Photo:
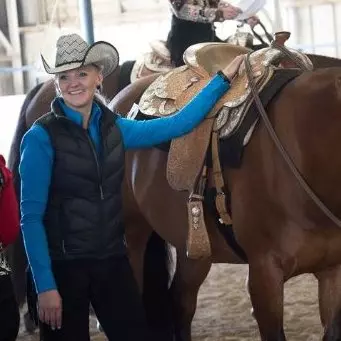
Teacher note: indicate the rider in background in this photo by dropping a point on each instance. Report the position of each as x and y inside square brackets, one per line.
[193, 22]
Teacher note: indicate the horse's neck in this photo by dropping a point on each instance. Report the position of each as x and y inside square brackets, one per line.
[111, 84]
[124, 100]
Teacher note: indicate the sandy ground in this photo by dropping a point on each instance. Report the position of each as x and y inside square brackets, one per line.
[223, 312]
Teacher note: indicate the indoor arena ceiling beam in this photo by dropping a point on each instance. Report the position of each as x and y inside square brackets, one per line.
[14, 38]
[87, 26]
[5, 43]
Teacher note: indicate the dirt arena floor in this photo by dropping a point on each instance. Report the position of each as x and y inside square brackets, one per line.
[223, 312]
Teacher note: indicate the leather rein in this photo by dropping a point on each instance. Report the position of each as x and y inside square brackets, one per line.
[302, 182]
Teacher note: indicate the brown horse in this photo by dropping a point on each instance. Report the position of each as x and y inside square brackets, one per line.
[282, 231]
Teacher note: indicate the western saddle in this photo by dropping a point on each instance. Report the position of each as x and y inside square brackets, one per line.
[186, 169]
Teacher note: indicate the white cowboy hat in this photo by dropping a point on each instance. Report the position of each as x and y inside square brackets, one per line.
[73, 52]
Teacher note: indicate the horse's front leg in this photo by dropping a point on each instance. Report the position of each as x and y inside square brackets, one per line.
[266, 287]
[330, 302]
[188, 277]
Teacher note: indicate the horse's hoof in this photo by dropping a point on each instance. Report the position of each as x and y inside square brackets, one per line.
[30, 326]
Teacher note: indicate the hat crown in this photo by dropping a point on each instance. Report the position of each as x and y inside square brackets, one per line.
[74, 52]
[71, 48]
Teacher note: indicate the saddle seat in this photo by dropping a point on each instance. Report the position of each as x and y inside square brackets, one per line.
[208, 58]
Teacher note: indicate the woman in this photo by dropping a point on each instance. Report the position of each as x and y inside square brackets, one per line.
[72, 167]
[193, 22]
[9, 228]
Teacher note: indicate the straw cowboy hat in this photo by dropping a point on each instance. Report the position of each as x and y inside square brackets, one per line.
[73, 52]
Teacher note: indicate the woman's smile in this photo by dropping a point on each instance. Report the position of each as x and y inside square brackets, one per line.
[78, 86]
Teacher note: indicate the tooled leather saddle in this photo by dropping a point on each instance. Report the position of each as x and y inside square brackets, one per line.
[186, 168]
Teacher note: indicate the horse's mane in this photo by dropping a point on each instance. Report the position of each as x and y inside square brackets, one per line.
[184, 33]
[324, 61]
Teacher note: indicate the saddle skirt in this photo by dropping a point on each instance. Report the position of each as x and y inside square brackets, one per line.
[171, 91]
[155, 61]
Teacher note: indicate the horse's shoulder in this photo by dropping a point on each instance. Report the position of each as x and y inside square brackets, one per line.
[123, 101]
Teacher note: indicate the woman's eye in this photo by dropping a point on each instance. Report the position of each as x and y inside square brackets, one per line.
[62, 77]
[82, 74]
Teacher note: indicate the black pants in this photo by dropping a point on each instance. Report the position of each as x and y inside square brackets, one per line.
[109, 285]
[9, 310]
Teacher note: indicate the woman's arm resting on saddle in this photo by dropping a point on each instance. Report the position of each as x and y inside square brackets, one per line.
[139, 134]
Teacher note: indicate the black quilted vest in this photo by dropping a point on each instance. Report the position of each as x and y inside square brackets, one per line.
[83, 217]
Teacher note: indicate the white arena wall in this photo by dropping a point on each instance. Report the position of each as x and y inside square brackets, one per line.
[9, 113]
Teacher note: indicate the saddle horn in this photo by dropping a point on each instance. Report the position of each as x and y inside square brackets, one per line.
[281, 37]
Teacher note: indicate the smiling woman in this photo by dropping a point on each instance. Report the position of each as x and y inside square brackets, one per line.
[72, 170]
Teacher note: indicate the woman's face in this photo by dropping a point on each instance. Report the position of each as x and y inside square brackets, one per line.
[78, 86]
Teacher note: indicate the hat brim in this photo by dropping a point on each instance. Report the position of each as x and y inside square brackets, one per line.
[100, 53]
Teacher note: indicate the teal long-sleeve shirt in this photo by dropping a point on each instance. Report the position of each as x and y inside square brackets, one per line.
[37, 162]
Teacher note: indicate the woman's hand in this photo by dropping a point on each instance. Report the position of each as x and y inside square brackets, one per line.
[50, 308]
[229, 12]
[253, 21]
[233, 67]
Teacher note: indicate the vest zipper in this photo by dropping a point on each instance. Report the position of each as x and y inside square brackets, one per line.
[63, 246]
[99, 183]
[96, 160]
[97, 165]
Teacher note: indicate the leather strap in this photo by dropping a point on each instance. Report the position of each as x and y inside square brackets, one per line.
[286, 157]
[219, 182]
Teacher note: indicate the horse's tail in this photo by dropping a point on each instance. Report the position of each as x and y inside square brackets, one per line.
[15, 253]
[156, 293]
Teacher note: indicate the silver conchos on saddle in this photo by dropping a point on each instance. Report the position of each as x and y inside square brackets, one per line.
[160, 97]
[239, 98]
[170, 92]
[185, 165]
